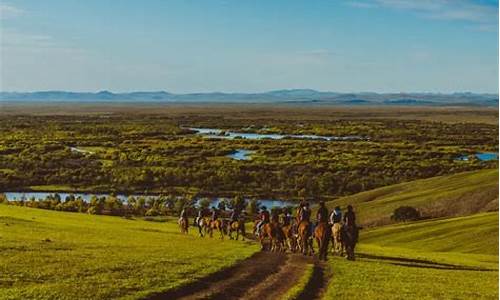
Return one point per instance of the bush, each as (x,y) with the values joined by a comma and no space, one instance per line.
(405,213)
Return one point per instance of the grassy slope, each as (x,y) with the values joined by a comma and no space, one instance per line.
(99,257)
(467,242)
(453,195)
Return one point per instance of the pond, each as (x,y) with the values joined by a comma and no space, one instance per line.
(11,196)
(223,134)
(483,156)
(241,154)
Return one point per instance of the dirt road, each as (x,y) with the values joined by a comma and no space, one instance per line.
(264,275)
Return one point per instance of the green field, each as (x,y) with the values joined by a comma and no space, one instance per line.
(444,196)
(453,258)
(49,255)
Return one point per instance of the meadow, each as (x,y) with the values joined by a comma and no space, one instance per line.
(454,258)
(406,157)
(60,255)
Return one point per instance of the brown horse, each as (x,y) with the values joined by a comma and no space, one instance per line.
(322,235)
(337,243)
(238,227)
(183,225)
(289,232)
(216,225)
(304,240)
(350,238)
(273,233)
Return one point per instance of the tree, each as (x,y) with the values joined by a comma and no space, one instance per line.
(405,213)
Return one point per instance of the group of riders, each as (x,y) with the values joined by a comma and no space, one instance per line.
(279,230)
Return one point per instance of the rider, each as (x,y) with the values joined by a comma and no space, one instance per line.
(322,214)
(336,215)
(287,217)
(183,215)
(201,214)
(275,217)
(235,215)
(305,216)
(215,213)
(350,220)
(350,217)
(264,218)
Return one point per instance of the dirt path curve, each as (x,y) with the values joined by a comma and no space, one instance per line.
(264,275)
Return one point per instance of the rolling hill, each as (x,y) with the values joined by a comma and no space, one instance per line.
(444,196)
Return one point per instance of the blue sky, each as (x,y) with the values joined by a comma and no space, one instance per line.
(249,46)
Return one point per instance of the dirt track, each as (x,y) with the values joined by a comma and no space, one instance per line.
(265,275)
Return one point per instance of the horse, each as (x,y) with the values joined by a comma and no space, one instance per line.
(238,227)
(322,235)
(183,225)
(203,225)
(289,232)
(337,243)
(350,238)
(216,225)
(304,240)
(273,231)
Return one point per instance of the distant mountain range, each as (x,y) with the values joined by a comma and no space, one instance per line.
(293,96)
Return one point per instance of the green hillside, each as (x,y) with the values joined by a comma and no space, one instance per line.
(454,258)
(472,234)
(445,196)
(54,255)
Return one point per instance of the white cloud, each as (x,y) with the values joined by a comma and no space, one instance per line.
(9,11)
(483,16)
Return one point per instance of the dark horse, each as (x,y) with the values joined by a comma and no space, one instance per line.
(350,238)
(322,235)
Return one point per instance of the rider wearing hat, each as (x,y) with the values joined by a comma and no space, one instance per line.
(264,218)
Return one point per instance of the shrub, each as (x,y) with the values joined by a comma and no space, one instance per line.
(405,213)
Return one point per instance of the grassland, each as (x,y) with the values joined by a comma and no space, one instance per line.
(444,196)
(59,255)
(454,258)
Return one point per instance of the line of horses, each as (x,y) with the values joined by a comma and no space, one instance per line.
(296,237)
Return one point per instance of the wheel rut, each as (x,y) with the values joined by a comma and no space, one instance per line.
(264,275)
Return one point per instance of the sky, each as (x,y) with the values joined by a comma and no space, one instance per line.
(249,45)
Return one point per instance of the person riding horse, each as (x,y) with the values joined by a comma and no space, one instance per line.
(350,231)
(322,231)
(336,215)
(215,213)
(305,216)
(286,218)
(183,220)
(322,214)
(264,219)
(235,215)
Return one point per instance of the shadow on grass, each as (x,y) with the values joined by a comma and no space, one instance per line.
(421,263)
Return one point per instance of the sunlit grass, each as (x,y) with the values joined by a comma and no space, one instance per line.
(49,255)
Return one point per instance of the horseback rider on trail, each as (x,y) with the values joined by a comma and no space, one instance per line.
(235,215)
(264,219)
(287,217)
(322,214)
(183,215)
(199,217)
(215,213)
(350,220)
(336,215)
